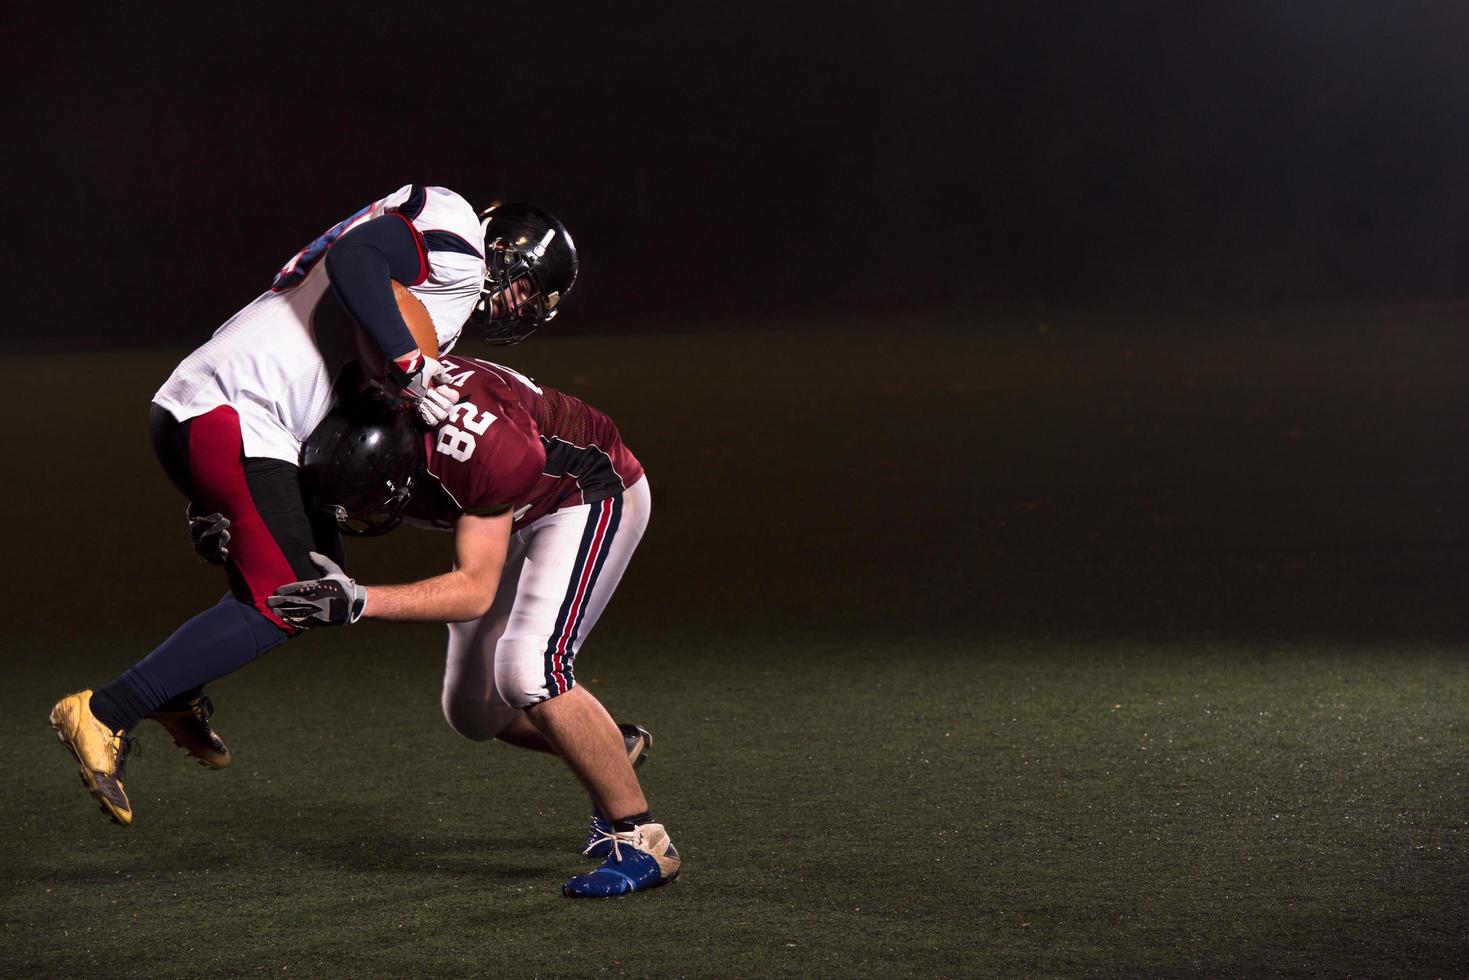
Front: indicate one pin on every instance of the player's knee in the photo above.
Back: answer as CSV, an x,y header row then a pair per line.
x,y
473,718
267,630
523,682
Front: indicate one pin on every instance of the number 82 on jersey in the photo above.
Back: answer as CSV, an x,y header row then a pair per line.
x,y
456,442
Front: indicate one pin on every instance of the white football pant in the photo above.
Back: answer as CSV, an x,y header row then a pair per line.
x,y
559,573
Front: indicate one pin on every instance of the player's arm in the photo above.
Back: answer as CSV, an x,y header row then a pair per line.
x,y
466,592
369,266
363,264
480,544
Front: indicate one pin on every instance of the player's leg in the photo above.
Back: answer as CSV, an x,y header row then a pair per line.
x,y
573,562
271,536
521,733
605,536
472,706
584,735
567,564
471,703
186,716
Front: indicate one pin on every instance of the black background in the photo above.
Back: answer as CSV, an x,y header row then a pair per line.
x,y
1054,414
746,162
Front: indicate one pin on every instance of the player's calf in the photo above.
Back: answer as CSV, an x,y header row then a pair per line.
x,y
637,741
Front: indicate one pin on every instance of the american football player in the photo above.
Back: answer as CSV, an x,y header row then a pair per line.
x,y
394,284
546,505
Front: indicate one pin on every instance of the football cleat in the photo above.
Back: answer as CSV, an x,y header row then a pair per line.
x,y
192,732
99,751
640,859
637,740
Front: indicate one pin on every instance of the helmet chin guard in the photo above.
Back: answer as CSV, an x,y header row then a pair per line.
x,y
377,521
530,266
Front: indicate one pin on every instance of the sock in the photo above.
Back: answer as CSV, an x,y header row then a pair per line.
x,y
218,641
118,707
180,702
625,824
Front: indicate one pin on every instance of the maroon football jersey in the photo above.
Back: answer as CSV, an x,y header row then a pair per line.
x,y
511,442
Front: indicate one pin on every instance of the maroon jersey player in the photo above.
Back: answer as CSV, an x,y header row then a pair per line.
x,y
513,443
547,506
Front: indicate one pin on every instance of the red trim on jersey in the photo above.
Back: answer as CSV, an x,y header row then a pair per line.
x,y
216,466
558,659
422,248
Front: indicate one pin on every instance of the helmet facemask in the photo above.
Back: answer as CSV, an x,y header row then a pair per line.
x,y
530,266
375,520
512,304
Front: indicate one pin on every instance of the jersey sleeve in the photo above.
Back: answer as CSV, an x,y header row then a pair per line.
x,y
361,263
454,248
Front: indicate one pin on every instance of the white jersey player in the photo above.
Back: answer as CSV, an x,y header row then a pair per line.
x,y
276,360
403,275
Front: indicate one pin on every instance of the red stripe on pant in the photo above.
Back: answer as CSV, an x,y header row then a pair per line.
x,y
558,659
217,468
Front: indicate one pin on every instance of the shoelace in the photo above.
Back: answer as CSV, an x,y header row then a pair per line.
x,y
203,708
628,837
129,746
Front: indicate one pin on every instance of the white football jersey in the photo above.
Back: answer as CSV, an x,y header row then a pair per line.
x,y
275,361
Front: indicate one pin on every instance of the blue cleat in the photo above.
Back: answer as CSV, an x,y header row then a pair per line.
x,y
640,859
637,740
599,836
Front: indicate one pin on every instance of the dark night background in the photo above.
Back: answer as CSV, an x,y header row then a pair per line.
x,y
1055,414
747,161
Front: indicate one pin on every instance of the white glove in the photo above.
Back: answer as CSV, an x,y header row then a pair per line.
x,y
423,384
438,398
332,600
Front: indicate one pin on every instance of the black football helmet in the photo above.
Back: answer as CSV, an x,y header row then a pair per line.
x,y
522,242
359,465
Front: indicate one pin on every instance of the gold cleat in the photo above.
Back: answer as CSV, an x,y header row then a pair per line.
x,y
192,732
99,752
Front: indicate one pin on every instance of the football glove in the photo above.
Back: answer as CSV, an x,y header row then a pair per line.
x,y
210,535
332,600
420,383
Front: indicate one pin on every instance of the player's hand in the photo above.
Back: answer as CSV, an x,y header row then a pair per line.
x,y
210,535
332,600
421,382
437,402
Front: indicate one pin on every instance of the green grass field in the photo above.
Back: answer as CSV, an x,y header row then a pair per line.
x,y
1103,649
